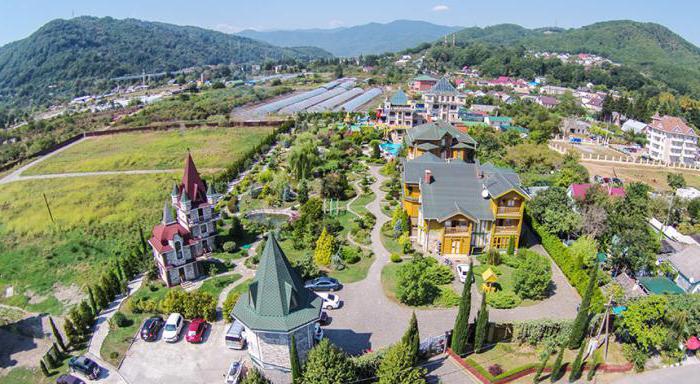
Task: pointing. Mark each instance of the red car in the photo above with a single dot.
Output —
(195, 331)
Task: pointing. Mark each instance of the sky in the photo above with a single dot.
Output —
(19, 18)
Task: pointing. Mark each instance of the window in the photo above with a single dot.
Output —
(203, 229)
(178, 250)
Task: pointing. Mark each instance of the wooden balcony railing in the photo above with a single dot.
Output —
(506, 229)
(455, 230)
(508, 210)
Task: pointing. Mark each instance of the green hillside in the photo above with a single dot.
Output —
(71, 57)
(648, 47)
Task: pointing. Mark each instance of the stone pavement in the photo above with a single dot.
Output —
(687, 374)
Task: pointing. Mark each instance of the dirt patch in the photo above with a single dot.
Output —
(23, 342)
(655, 177)
(34, 298)
(71, 294)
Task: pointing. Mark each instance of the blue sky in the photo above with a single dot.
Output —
(21, 17)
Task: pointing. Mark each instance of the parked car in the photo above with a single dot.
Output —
(235, 336)
(85, 366)
(598, 179)
(323, 284)
(617, 181)
(462, 272)
(318, 332)
(330, 301)
(173, 326)
(325, 319)
(196, 330)
(235, 371)
(150, 328)
(69, 379)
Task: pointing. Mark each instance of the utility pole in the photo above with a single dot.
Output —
(46, 201)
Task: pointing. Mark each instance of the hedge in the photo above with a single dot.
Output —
(485, 372)
(577, 276)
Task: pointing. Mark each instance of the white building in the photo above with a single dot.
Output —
(671, 140)
(442, 101)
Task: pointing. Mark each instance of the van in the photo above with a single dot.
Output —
(235, 336)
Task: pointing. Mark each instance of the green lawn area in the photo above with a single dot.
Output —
(353, 272)
(389, 273)
(215, 285)
(119, 339)
(96, 219)
(359, 205)
(388, 239)
(210, 148)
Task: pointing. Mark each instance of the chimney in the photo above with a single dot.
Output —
(427, 176)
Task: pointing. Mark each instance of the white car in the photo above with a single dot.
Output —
(172, 328)
(462, 271)
(330, 300)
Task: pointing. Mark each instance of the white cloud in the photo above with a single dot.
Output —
(440, 8)
(335, 23)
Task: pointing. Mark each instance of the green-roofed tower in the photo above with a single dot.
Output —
(275, 307)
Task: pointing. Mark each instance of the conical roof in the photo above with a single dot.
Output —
(399, 98)
(167, 214)
(192, 184)
(276, 300)
(443, 86)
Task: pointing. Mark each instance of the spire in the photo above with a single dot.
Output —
(175, 191)
(192, 184)
(210, 189)
(167, 214)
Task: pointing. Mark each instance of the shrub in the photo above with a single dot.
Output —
(395, 258)
(229, 246)
(637, 356)
(442, 274)
(229, 303)
(535, 332)
(493, 257)
(447, 298)
(531, 280)
(120, 320)
(113, 355)
(350, 255)
(503, 299)
(495, 370)
(415, 284)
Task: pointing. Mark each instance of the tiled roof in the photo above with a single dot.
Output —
(443, 87)
(578, 191)
(424, 78)
(162, 233)
(687, 262)
(436, 130)
(672, 124)
(192, 185)
(276, 300)
(660, 285)
(399, 98)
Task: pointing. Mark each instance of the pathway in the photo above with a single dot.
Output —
(686, 374)
(375, 321)
(15, 175)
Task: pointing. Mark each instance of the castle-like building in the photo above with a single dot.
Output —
(180, 242)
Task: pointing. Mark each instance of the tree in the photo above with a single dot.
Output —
(675, 180)
(415, 286)
(554, 210)
(511, 246)
(577, 365)
(376, 153)
(584, 250)
(482, 323)
(540, 368)
(44, 370)
(303, 157)
(326, 364)
(303, 192)
(644, 323)
(338, 72)
(93, 302)
(254, 376)
(334, 185)
(324, 248)
(578, 330)
(412, 339)
(460, 331)
(71, 332)
(57, 335)
(532, 279)
(101, 296)
(294, 357)
(694, 210)
(557, 367)
(397, 367)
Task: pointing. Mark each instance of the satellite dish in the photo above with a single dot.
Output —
(485, 193)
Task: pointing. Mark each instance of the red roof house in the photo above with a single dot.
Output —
(578, 191)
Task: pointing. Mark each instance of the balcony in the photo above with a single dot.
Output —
(502, 210)
(506, 230)
(460, 230)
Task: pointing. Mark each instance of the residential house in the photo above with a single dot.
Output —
(498, 121)
(275, 309)
(634, 126)
(553, 90)
(483, 109)
(548, 102)
(398, 110)
(687, 264)
(459, 208)
(574, 126)
(578, 191)
(689, 193)
(180, 242)
(441, 139)
(442, 101)
(423, 83)
(671, 140)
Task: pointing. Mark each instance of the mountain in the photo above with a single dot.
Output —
(372, 38)
(66, 57)
(651, 48)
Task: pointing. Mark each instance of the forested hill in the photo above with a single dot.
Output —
(648, 47)
(66, 57)
(372, 38)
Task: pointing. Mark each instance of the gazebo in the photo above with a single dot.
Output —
(276, 307)
(490, 278)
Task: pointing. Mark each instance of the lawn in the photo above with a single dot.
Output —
(96, 218)
(353, 272)
(359, 205)
(210, 147)
(215, 285)
(388, 240)
(119, 339)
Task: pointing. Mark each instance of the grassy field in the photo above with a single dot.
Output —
(210, 148)
(215, 285)
(655, 177)
(96, 218)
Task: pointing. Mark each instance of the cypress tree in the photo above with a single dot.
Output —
(482, 322)
(101, 296)
(93, 302)
(44, 370)
(71, 332)
(50, 361)
(57, 355)
(511, 246)
(412, 339)
(460, 331)
(541, 367)
(296, 367)
(57, 335)
(578, 330)
(577, 364)
(556, 368)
